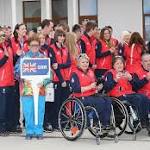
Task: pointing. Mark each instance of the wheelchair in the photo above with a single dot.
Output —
(74, 118)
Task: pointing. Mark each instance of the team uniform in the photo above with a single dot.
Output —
(102, 104)
(61, 74)
(6, 91)
(122, 89)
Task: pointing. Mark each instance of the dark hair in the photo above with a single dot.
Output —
(102, 32)
(64, 26)
(76, 28)
(45, 22)
(115, 58)
(15, 30)
(58, 33)
(90, 25)
(137, 39)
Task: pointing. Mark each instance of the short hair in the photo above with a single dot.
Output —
(90, 25)
(58, 33)
(76, 28)
(145, 54)
(45, 22)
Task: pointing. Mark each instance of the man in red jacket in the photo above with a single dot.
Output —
(142, 76)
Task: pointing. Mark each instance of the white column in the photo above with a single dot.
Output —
(13, 13)
(98, 12)
(73, 15)
(46, 9)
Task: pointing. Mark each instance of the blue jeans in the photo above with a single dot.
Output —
(28, 112)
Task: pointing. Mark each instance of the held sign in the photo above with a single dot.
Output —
(35, 67)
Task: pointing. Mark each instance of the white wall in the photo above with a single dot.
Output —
(5, 12)
(121, 15)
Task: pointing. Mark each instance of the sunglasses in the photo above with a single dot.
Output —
(2, 35)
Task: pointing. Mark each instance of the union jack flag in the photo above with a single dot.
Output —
(29, 67)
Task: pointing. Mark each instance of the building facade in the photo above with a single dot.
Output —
(133, 15)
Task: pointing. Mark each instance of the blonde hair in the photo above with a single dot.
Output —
(71, 43)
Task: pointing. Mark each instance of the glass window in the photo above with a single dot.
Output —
(87, 10)
(32, 13)
(59, 11)
(147, 28)
(146, 6)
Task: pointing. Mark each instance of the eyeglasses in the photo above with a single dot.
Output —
(83, 56)
(2, 35)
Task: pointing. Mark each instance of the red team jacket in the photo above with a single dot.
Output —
(61, 58)
(7, 70)
(122, 87)
(85, 80)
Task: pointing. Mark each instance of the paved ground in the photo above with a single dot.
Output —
(54, 141)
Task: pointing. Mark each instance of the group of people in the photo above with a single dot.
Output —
(79, 60)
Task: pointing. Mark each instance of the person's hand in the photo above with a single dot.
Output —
(128, 75)
(64, 84)
(99, 87)
(19, 52)
(93, 85)
(112, 50)
(148, 76)
(118, 76)
(55, 66)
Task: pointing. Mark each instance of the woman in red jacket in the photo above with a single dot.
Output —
(84, 87)
(119, 83)
(134, 52)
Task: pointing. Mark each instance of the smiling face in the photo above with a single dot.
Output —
(22, 31)
(107, 34)
(83, 62)
(118, 65)
(146, 62)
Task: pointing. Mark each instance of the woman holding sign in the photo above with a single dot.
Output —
(32, 128)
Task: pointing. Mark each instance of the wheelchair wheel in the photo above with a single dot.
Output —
(119, 118)
(72, 119)
(134, 124)
(93, 122)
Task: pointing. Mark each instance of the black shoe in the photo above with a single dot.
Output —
(48, 128)
(16, 130)
(4, 133)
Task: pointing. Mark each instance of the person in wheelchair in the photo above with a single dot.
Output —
(119, 83)
(84, 86)
(142, 76)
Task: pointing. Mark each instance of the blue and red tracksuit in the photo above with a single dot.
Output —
(6, 89)
(122, 89)
(102, 104)
(142, 85)
(133, 57)
(62, 73)
(87, 47)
